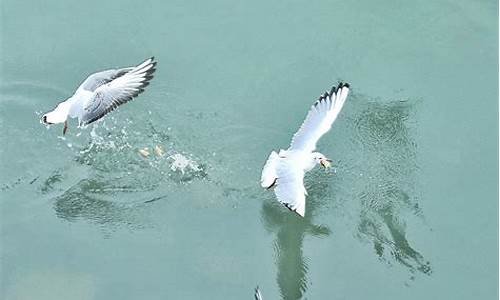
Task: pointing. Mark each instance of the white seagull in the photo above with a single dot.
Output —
(101, 93)
(285, 170)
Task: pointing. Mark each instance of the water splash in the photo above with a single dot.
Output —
(112, 178)
(183, 164)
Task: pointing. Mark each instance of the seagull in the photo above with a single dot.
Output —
(285, 170)
(101, 93)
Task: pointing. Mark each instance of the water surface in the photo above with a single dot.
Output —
(409, 211)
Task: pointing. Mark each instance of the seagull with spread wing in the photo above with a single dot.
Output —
(285, 170)
(101, 93)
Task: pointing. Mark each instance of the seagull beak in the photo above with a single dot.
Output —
(326, 163)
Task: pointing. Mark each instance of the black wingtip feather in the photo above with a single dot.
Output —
(340, 86)
(343, 84)
(332, 92)
(288, 206)
(257, 294)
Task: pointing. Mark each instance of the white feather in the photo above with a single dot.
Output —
(286, 170)
(319, 120)
(269, 174)
(290, 188)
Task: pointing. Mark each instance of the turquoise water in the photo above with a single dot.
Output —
(410, 210)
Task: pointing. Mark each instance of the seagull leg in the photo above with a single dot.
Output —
(65, 127)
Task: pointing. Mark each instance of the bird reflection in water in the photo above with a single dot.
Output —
(87, 200)
(291, 229)
(382, 167)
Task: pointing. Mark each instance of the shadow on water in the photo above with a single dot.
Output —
(84, 201)
(382, 167)
(290, 230)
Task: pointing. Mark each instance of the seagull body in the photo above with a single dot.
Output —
(285, 170)
(101, 93)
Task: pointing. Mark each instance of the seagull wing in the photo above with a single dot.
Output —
(269, 174)
(119, 90)
(258, 295)
(320, 118)
(101, 78)
(290, 188)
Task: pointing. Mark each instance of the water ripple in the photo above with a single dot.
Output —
(113, 178)
(382, 170)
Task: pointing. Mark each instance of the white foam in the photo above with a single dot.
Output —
(182, 163)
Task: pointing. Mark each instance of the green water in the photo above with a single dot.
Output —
(409, 212)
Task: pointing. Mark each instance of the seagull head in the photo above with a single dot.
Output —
(44, 119)
(319, 158)
(58, 115)
(52, 118)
